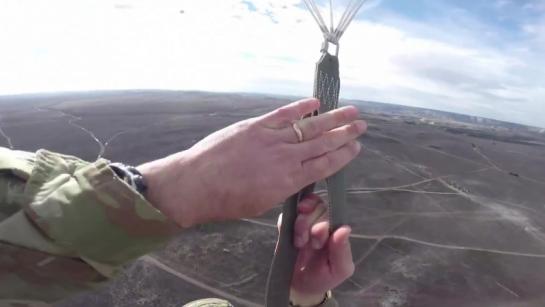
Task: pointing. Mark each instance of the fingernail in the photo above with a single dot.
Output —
(356, 145)
(347, 240)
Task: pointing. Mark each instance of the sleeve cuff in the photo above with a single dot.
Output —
(85, 208)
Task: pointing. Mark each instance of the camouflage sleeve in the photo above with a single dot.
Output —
(66, 224)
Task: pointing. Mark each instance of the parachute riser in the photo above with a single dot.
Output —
(326, 89)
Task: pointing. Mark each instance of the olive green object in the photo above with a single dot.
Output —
(326, 88)
(67, 225)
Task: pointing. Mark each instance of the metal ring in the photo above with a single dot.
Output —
(298, 132)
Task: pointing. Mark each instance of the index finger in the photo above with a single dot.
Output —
(313, 126)
(286, 115)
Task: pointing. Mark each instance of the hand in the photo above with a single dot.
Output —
(251, 166)
(324, 260)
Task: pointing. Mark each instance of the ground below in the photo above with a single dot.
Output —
(447, 210)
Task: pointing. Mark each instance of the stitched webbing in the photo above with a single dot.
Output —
(326, 89)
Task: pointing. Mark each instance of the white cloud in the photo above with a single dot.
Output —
(534, 5)
(222, 45)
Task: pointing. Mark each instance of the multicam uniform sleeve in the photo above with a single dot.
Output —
(67, 224)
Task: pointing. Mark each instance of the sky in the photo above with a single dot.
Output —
(476, 57)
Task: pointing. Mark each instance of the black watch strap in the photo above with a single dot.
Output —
(131, 176)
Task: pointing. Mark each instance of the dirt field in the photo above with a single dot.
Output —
(447, 209)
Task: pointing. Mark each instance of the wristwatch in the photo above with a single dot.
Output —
(131, 176)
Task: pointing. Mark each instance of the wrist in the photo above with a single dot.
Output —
(173, 189)
(307, 300)
(153, 173)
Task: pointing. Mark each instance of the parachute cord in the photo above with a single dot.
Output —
(352, 12)
(343, 17)
(352, 15)
(334, 35)
(317, 16)
(331, 29)
(317, 10)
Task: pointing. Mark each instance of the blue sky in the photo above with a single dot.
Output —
(478, 57)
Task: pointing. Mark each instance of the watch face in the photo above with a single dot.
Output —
(130, 175)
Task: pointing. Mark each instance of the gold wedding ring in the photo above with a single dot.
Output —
(298, 132)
